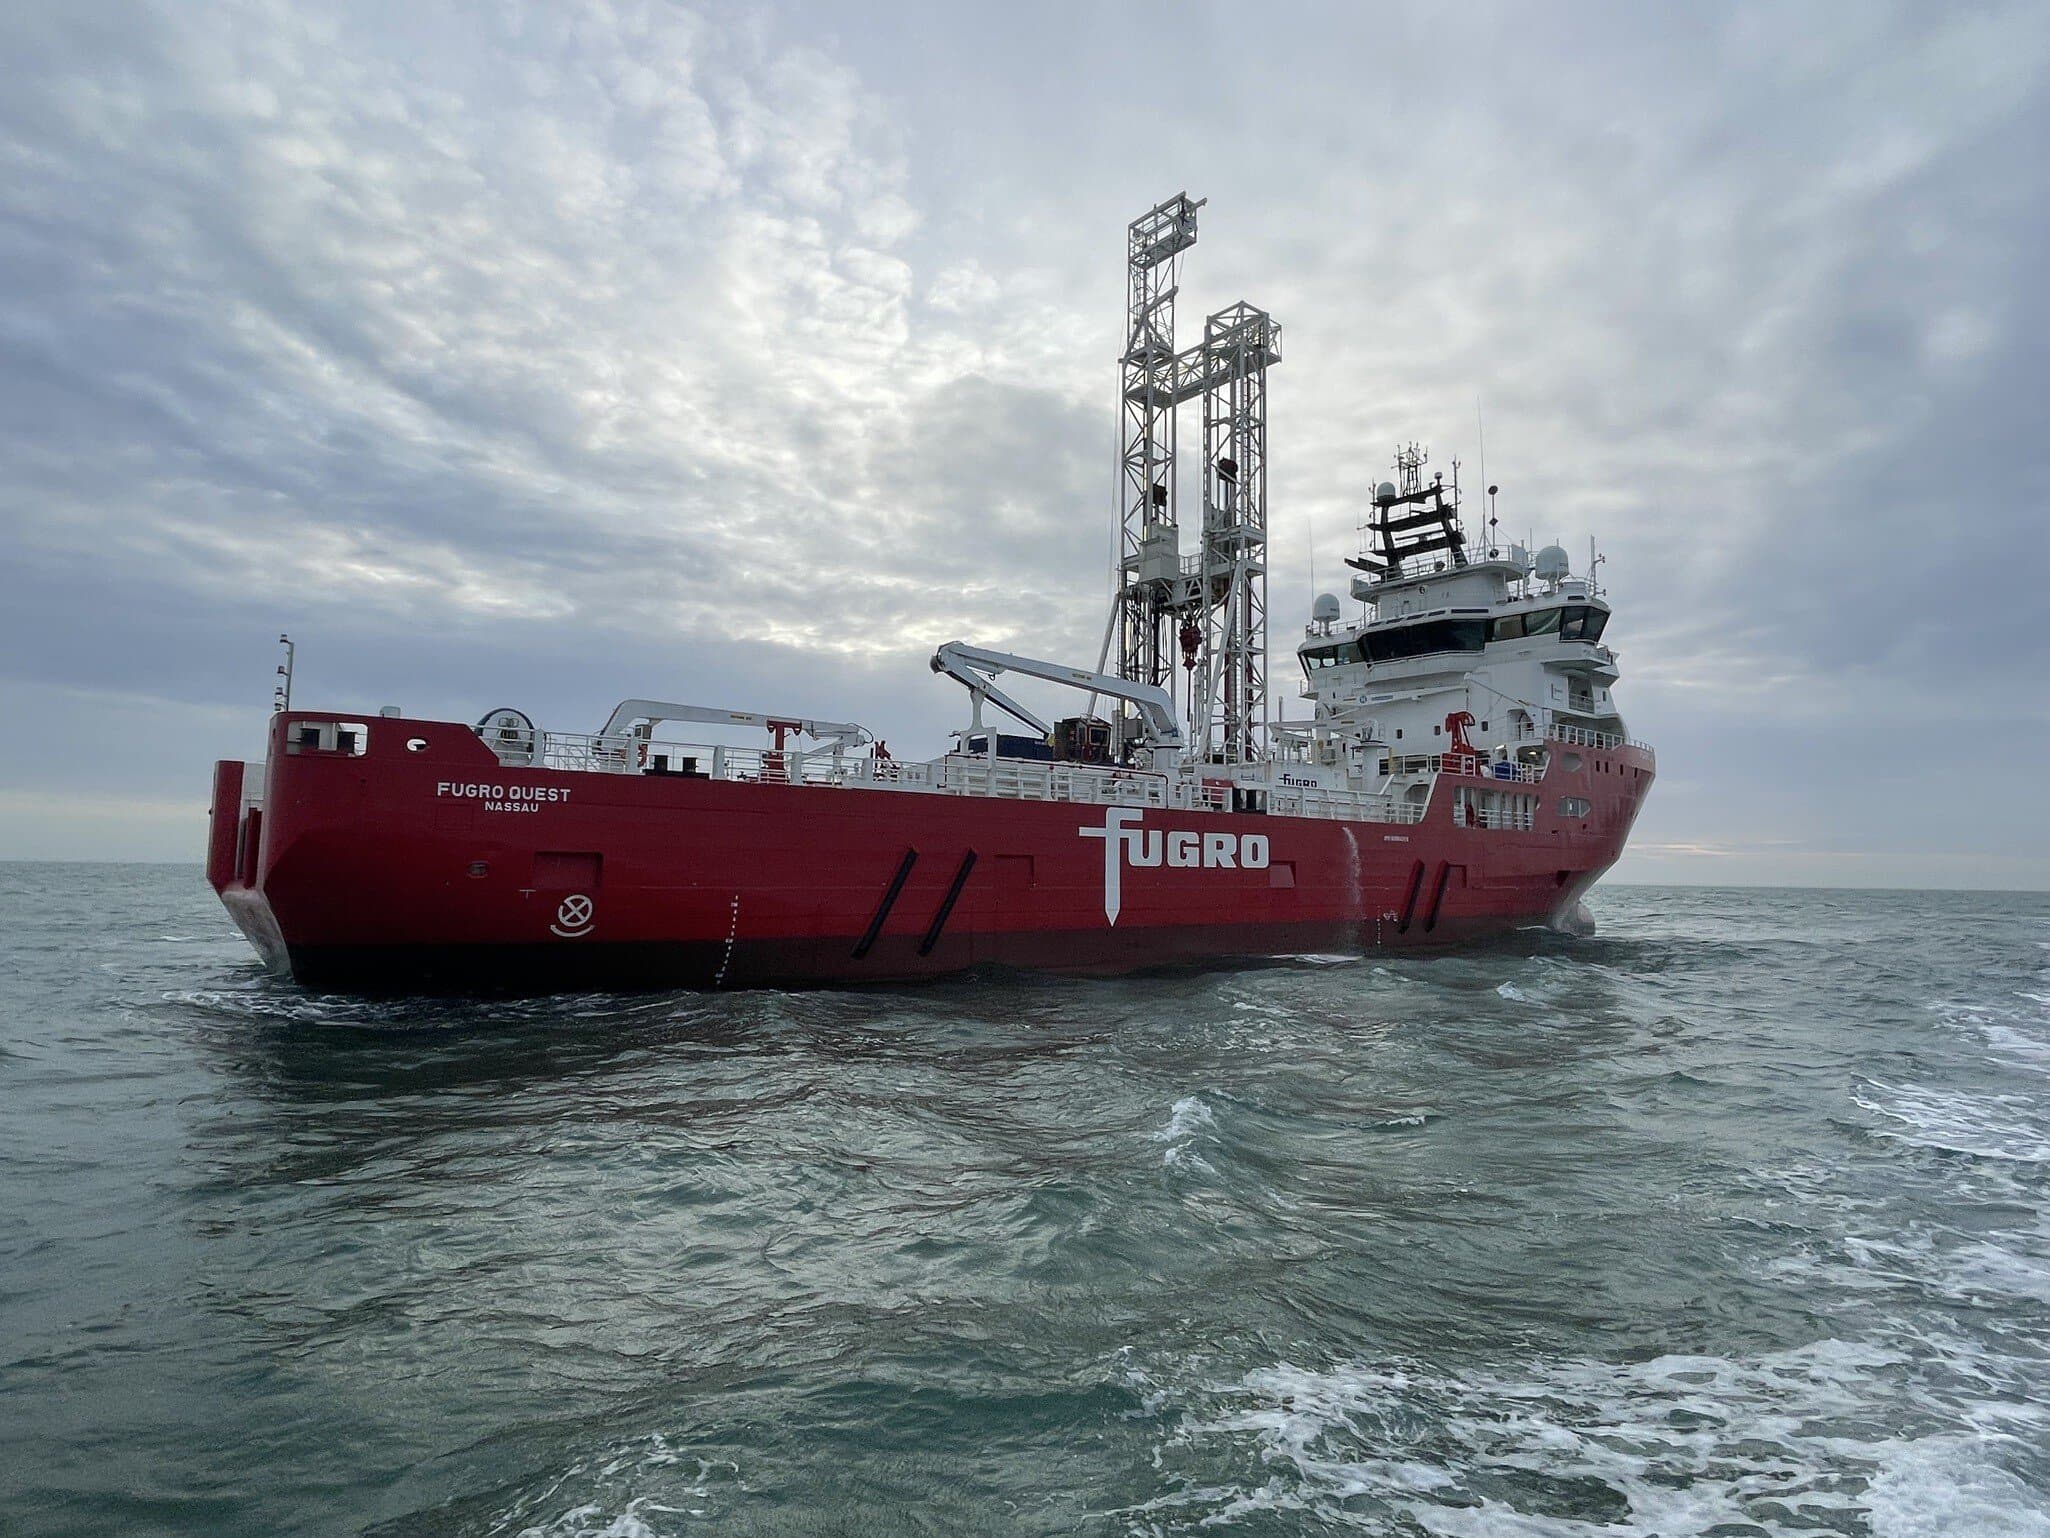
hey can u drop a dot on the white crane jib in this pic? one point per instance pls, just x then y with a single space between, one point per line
975 668
836 735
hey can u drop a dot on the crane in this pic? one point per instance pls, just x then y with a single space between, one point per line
976 668
835 735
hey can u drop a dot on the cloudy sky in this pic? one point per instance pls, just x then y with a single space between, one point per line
545 353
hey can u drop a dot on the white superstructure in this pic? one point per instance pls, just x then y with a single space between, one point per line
1497 654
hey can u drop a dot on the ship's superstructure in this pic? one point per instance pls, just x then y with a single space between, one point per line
1492 651
1462 767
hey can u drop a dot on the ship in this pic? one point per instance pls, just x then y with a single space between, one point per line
1457 767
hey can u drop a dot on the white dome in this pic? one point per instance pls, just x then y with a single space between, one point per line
1552 564
1386 493
1324 609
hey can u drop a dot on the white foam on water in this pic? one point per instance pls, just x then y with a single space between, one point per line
585 1522
1974 1272
1512 992
1787 1441
616 1514
1189 1119
2018 1034
1577 921
1945 1485
2012 1128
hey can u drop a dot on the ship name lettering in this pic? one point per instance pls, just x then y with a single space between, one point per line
1124 843
501 798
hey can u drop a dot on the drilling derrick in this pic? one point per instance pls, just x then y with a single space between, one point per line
1215 603
1228 708
1149 551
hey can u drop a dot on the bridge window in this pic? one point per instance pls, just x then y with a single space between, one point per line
1583 624
1437 635
1329 656
1517 627
1575 622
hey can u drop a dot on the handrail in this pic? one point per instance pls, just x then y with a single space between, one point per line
1345 805
955 774
1586 737
1500 818
1474 765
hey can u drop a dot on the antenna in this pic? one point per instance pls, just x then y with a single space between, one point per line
1411 520
281 696
1310 528
1481 431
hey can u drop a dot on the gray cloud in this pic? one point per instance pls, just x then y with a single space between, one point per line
557 353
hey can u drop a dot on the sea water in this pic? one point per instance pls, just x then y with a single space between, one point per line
1728 1220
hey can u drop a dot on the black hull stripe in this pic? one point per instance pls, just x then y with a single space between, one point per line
939 919
1416 885
1438 896
889 900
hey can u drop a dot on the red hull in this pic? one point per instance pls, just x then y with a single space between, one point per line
379 871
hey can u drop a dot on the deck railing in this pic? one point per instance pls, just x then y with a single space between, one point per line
1476 765
1493 817
956 774
1584 737
1345 805
963 774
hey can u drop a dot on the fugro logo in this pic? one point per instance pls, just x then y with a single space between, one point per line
1126 843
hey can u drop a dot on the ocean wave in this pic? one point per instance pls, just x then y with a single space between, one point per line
2017 1032
601 1508
1678 1444
273 1002
1928 1264
592 1521
1188 1120
2010 1128
1945 1485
